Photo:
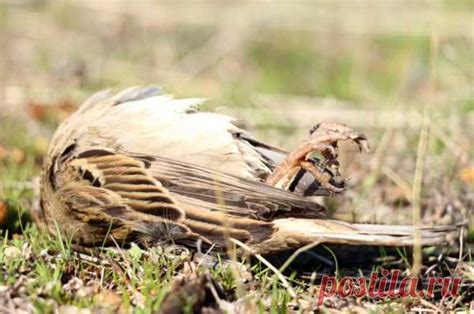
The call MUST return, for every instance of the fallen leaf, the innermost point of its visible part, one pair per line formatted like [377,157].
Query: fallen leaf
[37,110]
[54,111]
[3,152]
[3,213]
[17,155]
[67,106]
[467,175]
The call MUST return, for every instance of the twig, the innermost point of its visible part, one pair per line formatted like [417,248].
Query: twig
[461,248]
[430,305]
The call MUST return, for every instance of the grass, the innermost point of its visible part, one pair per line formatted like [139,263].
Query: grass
[44,272]
[374,71]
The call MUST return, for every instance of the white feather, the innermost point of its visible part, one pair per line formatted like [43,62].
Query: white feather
[168,127]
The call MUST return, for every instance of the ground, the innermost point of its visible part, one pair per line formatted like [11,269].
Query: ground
[401,72]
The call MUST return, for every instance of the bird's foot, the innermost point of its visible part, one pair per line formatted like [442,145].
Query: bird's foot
[324,138]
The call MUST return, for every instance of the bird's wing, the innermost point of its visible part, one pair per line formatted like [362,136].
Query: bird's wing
[103,193]
[219,192]
[151,198]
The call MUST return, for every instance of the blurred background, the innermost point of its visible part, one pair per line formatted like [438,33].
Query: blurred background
[392,69]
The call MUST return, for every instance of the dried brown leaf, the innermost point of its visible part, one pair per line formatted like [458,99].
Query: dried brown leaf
[3,213]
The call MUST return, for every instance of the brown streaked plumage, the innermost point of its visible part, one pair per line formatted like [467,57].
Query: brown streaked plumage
[141,166]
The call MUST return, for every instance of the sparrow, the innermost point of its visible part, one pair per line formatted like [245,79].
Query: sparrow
[141,166]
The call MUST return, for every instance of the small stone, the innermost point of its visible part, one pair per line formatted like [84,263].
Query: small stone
[73,285]
[70,309]
[109,299]
[11,253]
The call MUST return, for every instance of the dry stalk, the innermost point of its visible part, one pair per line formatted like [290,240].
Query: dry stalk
[230,247]
[296,254]
[280,276]
[416,192]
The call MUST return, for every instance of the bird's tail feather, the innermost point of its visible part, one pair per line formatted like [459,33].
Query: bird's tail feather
[295,232]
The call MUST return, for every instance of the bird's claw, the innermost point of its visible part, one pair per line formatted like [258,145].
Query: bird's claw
[331,133]
[324,138]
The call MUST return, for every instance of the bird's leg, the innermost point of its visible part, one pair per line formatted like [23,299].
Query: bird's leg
[323,176]
[323,138]
[284,172]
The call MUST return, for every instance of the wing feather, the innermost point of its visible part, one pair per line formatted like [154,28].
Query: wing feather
[237,196]
[209,203]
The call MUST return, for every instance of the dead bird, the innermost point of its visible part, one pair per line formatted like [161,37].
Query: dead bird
[140,166]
